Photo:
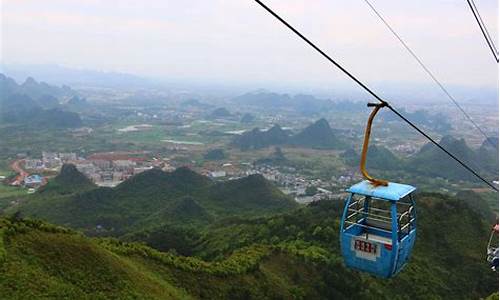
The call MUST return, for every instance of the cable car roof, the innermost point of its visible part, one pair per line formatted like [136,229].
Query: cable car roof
[394,191]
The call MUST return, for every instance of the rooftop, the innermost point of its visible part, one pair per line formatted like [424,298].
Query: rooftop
[394,191]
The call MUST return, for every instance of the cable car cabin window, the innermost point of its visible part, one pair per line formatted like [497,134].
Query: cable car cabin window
[373,217]
[406,216]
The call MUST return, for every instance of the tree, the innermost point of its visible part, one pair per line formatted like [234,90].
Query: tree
[311,191]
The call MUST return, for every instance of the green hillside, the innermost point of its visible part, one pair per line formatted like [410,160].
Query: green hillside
[318,135]
[34,104]
[288,256]
[151,199]
[487,155]
[448,261]
[69,180]
[256,139]
[378,157]
[431,161]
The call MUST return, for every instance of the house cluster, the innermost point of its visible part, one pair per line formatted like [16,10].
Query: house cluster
[287,179]
[104,169]
[111,169]
[295,184]
[33,181]
[49,160]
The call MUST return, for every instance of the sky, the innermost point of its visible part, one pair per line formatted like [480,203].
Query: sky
[238,41]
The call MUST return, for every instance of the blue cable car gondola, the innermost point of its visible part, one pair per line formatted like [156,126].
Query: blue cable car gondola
[378,228]
[379,222]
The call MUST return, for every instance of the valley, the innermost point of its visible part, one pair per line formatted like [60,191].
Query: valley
[183,199]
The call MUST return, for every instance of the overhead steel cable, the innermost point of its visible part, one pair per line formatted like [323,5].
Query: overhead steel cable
[484,26]
[424,67]
[484,30]
[372,93]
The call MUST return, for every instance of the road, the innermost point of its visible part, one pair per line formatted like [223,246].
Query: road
[21,173]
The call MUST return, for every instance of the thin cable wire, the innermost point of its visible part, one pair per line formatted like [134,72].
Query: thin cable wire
[484,26]
[483,30]
[373,93]
[424,67]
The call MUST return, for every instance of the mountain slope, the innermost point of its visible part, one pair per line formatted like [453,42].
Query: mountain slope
[256,139]
[34,104]
[378,157]
[40,260]
[431,161]
[288,256]
[448,260]
[155,198]
[69,180]
[487,155]
[317,135]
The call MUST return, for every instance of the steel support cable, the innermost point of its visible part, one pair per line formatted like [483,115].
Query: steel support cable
[483,30]
[484,26]
[371,92]
[424,67]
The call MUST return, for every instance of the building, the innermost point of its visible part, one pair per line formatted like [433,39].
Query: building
[117,176]
[141,169]
[217,174]
[70,156]
[33,164]
[123,165]
[33,181]
[50,160]
[102,164]
[86,168]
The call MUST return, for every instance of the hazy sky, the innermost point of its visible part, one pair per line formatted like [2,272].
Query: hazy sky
[237,40]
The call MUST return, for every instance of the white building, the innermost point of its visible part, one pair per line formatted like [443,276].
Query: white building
[217,174]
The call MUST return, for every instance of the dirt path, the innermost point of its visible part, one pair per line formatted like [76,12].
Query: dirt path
[21,173]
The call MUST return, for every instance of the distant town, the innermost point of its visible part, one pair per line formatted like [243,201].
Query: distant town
[112,168]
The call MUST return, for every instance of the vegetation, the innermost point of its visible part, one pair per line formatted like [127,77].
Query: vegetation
[220,112]
[247,118]
[257,139]
[34,104]
[318,135]
[180,235]
[215,154]
[292,255]
[151,199]
[68,181]
[432,162]
[276,158]
[378,157]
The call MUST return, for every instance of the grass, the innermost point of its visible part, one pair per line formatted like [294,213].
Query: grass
[9,194]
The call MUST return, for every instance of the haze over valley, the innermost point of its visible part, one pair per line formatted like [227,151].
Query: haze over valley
[158,152]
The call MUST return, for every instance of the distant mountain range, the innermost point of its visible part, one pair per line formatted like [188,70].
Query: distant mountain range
[306,104]
[431,161]
[378,157]
[151,198]
[247,118]
[318,135]
[36,104]
[256,138]
[436,122]
[220,112]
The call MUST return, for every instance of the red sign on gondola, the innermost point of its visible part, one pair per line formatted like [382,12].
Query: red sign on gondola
[365,246]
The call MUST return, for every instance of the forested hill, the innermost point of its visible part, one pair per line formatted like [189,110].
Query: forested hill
[35,104]
[151,198]
[286,256]
[318,135]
